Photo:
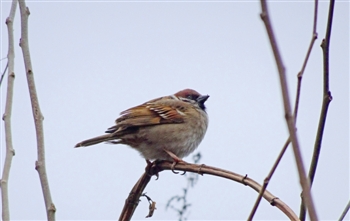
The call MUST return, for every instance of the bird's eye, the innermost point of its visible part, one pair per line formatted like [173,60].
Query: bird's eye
[192,97]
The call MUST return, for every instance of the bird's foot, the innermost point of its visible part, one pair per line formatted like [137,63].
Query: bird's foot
[152,168]
[176,160]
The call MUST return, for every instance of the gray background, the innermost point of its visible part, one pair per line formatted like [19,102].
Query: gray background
[92,60]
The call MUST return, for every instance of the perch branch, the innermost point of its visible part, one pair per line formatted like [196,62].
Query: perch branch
[295,113]
[38,117]
[287,108]
[10,152]
[327,97]
[133,199]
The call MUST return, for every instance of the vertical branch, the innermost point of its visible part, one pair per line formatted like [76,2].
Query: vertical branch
[288,115]
[301,73]
[327,97]
[295,113]
[10,152]
[38,117]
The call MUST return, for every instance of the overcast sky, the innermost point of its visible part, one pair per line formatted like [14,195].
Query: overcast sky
[92,60]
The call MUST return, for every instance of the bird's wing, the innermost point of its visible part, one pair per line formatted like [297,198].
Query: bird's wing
[158,111]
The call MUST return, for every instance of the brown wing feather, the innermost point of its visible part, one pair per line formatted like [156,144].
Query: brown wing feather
[151,113]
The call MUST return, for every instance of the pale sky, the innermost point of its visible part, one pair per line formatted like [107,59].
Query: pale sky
[92,60]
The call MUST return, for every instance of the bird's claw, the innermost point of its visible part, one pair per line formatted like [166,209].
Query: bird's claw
[151,168]
[176,160]
[173,167]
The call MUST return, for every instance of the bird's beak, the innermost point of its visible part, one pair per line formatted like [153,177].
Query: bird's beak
[202,99]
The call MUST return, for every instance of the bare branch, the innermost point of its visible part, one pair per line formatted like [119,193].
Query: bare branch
[10,152]
[38,117]
[267,180]
[132,201]
[288,115]
[301,72]
[3,73]
[327,97]
[345,211]
[295,112]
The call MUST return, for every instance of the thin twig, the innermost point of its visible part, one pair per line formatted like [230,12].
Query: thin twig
[288,115]
[10,152]
[301,72]
[40,165]
[133,199]
[267,180]
[342,216]
[152,205]
[327,97]
[295,114]
[192,179]
[4,72]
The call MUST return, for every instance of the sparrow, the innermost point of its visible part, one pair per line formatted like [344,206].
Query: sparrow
[166,128]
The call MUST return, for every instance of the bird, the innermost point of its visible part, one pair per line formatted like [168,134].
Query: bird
[166,128]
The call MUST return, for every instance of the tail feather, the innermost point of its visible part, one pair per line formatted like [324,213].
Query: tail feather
[95,140]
